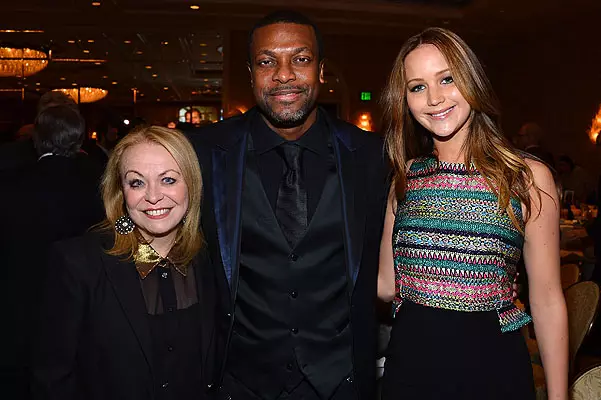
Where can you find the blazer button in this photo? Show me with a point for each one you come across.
(294, 330)
(293, 257)
(164, 385)
(294, 294)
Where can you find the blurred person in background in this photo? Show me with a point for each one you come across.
(21, 152)
(529, 139)
(575, 178)
(195, 117)
(55, 198)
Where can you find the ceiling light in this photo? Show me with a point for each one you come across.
(206, 80)
(148, 66)
(203, 45)
(139, 52)
(165, 43)
(203, 61)
(71, 41)
(96, 61)
(154, 75)
(165, 88)
(15, 62)
(62, 78)
(127, 41)
(37, 83)
(114, 82)
(21, 31)
(74, 84)
(91, 41)
(203, 54)
(85, 94)
(194, 7)
(96, 3)
(86, 51)
(105, 77)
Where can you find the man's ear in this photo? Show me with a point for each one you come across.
(321, 69)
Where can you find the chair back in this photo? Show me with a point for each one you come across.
(570, 274)
(587, 385)
(582, 301)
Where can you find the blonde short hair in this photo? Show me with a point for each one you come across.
(189, 238)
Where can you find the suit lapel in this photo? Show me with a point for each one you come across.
(353, 196)
(124, 278)
(228, 175)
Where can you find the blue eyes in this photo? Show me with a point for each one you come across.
(136, 183)
(420, 87)
(417, 88)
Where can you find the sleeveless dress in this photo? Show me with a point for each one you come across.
(456, 330)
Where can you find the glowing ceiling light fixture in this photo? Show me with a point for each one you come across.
(85, 94)
(21, 31)
(15, 62)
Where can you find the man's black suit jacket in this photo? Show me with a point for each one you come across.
(221, 149)
(93, 340)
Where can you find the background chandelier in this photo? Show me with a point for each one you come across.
(21, 62)
(85, 94)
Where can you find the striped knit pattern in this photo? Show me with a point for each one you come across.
(452, 247)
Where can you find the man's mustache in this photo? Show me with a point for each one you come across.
(285, 89)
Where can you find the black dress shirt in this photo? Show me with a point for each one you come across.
(315, 159)
(173, 310)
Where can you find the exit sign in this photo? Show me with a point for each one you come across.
(365, 96)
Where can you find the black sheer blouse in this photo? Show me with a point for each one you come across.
(171, 297)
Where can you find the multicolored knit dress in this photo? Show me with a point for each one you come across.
(456, 331)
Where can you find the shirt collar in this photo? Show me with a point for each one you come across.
(147, 259)
(45, 155)
(265, 139)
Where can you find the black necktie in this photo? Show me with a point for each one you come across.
(291, 206)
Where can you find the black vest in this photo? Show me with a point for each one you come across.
(292, 309)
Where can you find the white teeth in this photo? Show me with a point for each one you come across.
(442, 113)
(157, 212)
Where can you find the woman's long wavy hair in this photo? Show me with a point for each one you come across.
(504, 169)
(189, 239)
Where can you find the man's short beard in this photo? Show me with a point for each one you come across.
(286, 119)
